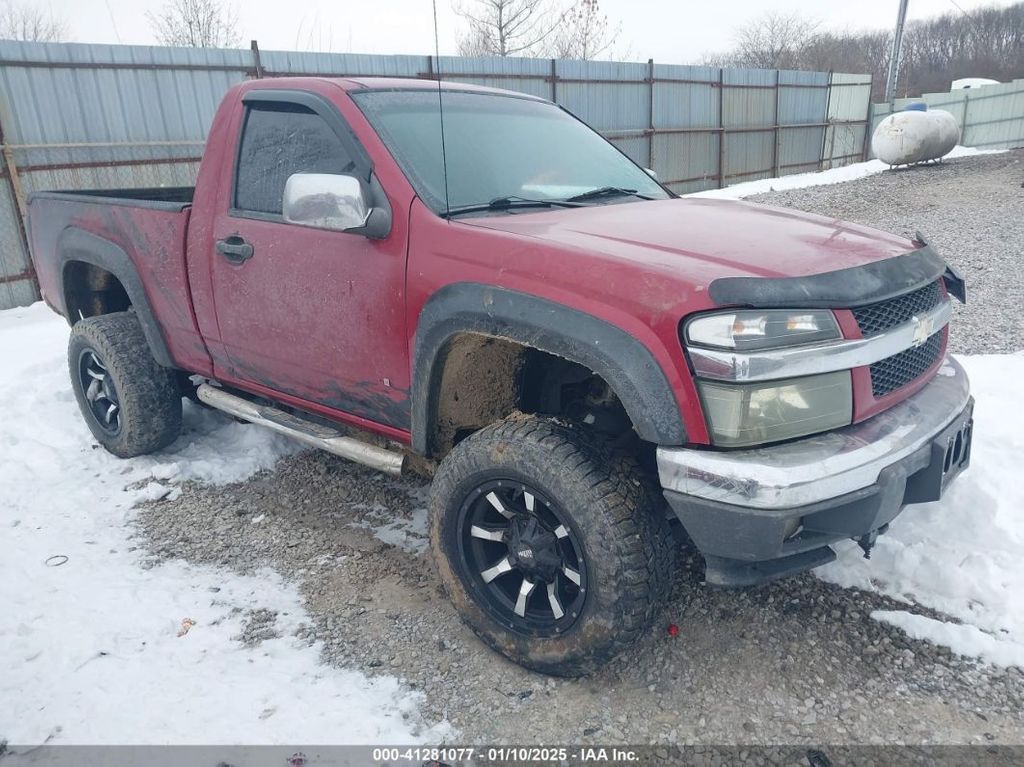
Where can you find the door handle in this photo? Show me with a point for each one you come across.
(235, 249)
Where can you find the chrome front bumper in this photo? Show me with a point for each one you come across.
(824, 466)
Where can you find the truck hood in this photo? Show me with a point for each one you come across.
(702, 239)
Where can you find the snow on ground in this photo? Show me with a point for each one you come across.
(89, 644)
(833, 176)
(962, 555)
(410, 535)
(963, 639)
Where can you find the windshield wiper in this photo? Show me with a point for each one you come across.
(513, 202)
(607, 191)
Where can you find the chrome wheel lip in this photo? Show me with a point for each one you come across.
(521, 602)
(100, 392)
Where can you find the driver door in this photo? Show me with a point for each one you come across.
(311, 313)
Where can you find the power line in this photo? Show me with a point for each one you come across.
(955, 5)
(113, 22)
(965, 13)
(440, 110)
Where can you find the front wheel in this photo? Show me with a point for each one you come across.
(551, 547)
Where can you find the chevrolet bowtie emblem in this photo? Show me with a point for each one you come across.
(923, 327)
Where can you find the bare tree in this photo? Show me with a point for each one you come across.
(506, 27)
(27, 22)
(584, 33)
(854, 52)
(773, 40)
(985, 42)
(319, 37)
(196, 24)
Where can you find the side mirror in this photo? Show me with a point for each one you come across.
(325, 201)
(651, 173)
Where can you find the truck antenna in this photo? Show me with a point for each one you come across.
(440, 111)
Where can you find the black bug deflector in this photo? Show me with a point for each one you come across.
(847, 288)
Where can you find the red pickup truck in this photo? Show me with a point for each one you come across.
(474, 283)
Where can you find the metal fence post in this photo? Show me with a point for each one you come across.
(825, 130)
(256, 63)
(554, 80)
(866, 148)
(869, 119)
(650, 114)
(967, 104)
(20, 212)
(721, 127)
(775, 148)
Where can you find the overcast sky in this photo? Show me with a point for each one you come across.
(670, 31)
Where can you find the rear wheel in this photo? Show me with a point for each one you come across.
(550, 546)
(131, 404)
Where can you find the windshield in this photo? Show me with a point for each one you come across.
(499, 147)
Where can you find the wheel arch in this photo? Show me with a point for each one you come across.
(472, 309)
(76, 247)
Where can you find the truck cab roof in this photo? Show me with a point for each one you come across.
(356, 83)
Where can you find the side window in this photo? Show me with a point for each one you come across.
(277, 141)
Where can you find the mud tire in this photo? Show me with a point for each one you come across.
(149, 395)
(622, 526)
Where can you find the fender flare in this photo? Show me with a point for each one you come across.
(76, 244)
(623, 361)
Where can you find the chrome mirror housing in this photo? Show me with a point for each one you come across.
(325, 201)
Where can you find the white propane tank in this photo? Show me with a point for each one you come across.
(971, 82)
(915, 135)
(949, 130)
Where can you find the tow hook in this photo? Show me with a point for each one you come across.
(867, 541)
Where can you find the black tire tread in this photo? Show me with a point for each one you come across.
(151, 414)
(642, 545)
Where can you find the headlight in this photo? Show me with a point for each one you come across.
(746, 330)
(739, 415)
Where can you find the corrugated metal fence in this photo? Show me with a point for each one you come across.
(990, 117)
(76, 116)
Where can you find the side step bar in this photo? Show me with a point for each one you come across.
(307, 432)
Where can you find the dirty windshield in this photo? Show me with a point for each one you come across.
(500, 148)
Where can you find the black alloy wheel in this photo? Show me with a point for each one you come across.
(100, 392)
(528, 566)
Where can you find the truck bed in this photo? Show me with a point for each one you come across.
(120, 238)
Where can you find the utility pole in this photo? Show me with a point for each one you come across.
(897, 50)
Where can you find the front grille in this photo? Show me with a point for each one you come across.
(897, 371)
(875, 318)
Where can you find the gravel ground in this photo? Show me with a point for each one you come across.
(799, 661)
(971, 209)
